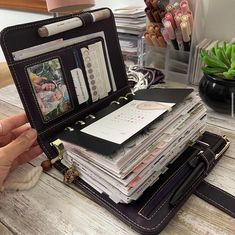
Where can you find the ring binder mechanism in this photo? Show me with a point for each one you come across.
(114, 102)
(122, 98)
(69, 128)
(72, 172)
(128, 94)
(119, 100)
(58, 145)
(90, 116)
(80, 122)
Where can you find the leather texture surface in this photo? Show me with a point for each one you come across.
(217, 197)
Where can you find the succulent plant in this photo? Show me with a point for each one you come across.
(219, 60)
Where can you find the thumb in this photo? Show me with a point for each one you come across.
(21, 144)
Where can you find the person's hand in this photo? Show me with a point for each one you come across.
(17, 144)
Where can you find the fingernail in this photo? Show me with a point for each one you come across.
(31, 134)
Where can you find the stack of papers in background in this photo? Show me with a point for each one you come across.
(131, 45)
(131, 24)
(139, 162)
(130, 20)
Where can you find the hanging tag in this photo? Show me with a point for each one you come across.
(71, 174)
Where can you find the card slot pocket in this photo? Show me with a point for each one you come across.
(52, 66)
(45, 89)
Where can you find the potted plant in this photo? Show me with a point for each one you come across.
(217, 86)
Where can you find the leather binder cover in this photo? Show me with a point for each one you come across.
(19, 37)
(153, 210)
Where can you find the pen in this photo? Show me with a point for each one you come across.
(165, 36)
(148, 39)
(169, 17)
(154, 3)
(171, 33)
(177, 21)
(148, 3)
(176, 6)
(170, 8)
(184, 6)
(160, 5)
(185, 18)
(148, 13)
(193, 177)
(179, 39)
(75, 22)
(156, 15)
(190, 15)
(186, 37)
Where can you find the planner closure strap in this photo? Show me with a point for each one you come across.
(217, 197)
(210, 193)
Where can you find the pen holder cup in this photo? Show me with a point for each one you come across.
(155, 57)
(173, 63)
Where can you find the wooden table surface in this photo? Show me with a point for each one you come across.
(52, 207)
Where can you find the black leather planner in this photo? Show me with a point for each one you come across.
(70, 77)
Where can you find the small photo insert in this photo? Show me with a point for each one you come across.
(49, 88)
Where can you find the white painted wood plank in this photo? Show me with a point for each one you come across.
(220, 120)
(198, 217)
(53, 208)
(4, 230)
(223, 175)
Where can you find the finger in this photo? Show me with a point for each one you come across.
(27, 156)
(18, 146)
(6, 139)
(8, 124)
(18, 131)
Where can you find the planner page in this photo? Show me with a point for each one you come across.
(126, 121)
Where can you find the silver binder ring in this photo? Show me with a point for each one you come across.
(80, 122)
(90, 116)
(129, 94)
(68, 128)
(115, 102)
(122, 98)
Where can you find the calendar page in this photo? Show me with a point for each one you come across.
(126, 121)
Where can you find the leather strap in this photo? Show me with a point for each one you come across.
(217, 197)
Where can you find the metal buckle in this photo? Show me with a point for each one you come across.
(224, 148)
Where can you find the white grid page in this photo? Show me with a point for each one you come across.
(123, 123)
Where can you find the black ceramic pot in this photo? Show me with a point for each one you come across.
(217, 93)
